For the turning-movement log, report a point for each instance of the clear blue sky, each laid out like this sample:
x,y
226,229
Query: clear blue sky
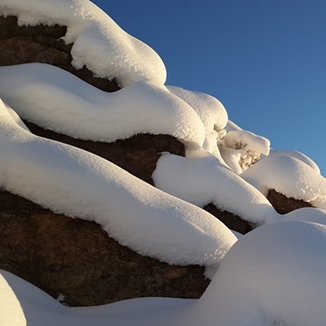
x,y
264,60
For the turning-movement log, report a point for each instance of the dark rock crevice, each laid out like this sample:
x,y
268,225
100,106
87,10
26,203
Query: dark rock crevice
x,y
137,155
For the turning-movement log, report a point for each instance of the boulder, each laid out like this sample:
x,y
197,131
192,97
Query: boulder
x,y
76,261
283,204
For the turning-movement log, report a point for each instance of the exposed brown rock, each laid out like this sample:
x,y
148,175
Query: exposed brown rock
x,y
77,259
137,155
232,221
41,43
283,204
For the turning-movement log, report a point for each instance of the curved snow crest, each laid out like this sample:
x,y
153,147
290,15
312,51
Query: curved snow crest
x,y
79,184
298,155
274,275
211,112
57,100
99,43
210,109
205,180
289,176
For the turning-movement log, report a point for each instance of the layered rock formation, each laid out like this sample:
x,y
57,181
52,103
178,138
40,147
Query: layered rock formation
x,y
72,258
75,259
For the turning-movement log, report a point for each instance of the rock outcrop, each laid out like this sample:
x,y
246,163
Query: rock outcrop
x,y
137,155
70,257
283,204
77,261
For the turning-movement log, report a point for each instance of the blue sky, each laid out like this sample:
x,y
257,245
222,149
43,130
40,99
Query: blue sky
x,y
264,60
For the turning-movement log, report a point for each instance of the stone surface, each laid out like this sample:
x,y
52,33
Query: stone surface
x,y
283,204
77,260
41,43
232,221
137,155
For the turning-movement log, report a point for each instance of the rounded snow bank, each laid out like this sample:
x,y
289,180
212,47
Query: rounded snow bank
x,y
289,176
210,109
11,313
57,100
205,180
99,43
274,275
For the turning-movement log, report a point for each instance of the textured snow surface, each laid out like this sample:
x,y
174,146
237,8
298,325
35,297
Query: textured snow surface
x,y
240,149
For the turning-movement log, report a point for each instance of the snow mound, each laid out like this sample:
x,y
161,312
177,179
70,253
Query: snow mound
x,y
11,313
289,176
99,43
210,110
300,156
274,275
240,149
205,180
79,184
57,100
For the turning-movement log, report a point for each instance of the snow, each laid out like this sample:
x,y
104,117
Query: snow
x,y
11,312
240,149
98,42
273,275
57,100
289,176
205,180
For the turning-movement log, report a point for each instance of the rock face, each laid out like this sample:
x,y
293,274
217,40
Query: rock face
x,y
283,204
137,155
77,260
26,44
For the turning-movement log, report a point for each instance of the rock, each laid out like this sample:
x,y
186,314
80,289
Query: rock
x,y
76,260
232,221
283,204
137,155
41,43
